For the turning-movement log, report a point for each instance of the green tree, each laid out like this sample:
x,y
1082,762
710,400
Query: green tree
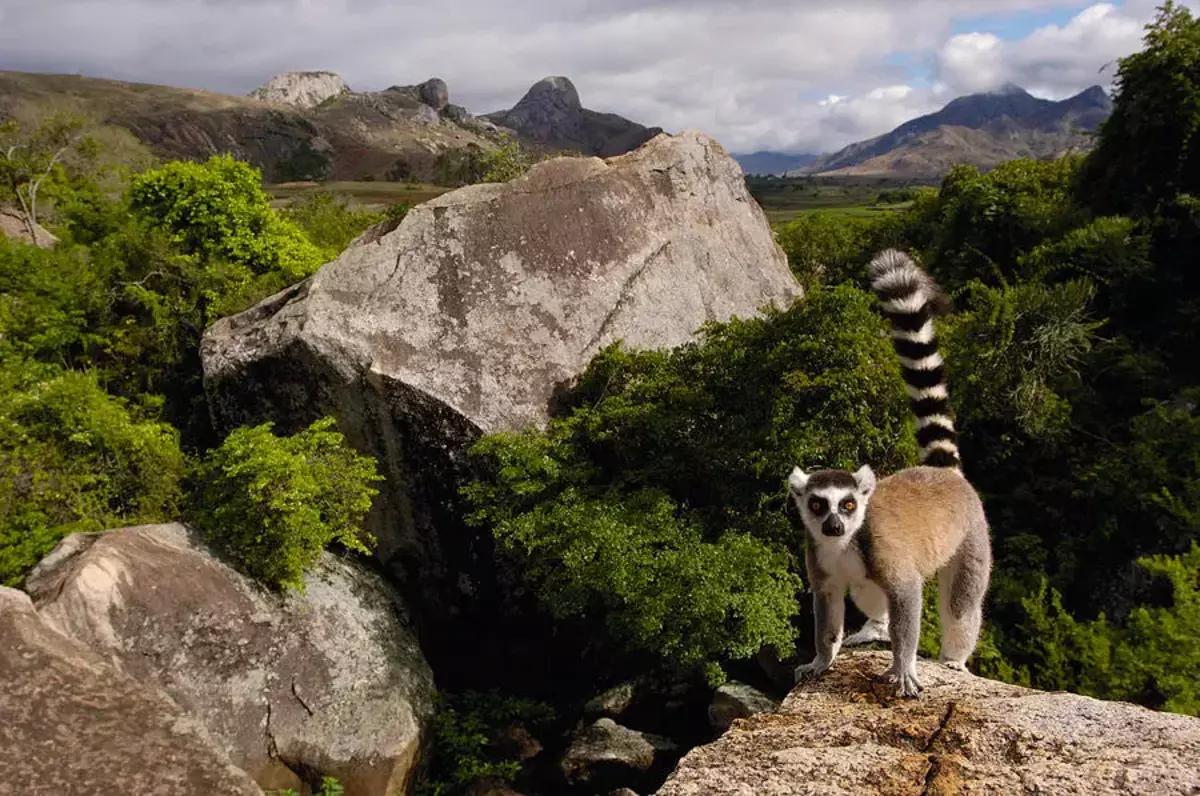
x,y
218,211
31,158
274,503
1147,151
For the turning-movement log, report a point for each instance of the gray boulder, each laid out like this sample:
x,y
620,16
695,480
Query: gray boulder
x,y
329,683
73,725
846,734
735,700
606,755
478,308
434,93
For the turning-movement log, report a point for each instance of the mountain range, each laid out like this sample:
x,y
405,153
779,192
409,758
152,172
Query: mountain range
x,y
312,126
981,129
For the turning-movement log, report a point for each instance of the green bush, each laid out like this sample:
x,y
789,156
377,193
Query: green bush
x,y
73,458
274,503
219,211
329,221
828,248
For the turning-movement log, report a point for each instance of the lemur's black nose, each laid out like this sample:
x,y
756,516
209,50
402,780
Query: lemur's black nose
x,y
833,526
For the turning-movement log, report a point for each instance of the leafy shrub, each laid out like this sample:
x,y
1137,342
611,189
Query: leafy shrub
x,y
464,748
274,503
329,222
829,248
983,224
1151,657
73,458
218,210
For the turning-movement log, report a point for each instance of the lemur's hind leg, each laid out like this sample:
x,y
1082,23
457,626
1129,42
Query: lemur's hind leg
x,y
962,584
872,601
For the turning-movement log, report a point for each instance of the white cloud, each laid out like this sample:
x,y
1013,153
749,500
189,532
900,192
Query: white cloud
x,y
1053,61
756,74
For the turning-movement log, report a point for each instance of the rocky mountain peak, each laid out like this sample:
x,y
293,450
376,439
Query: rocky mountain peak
x,y
552,115
555,91
302,89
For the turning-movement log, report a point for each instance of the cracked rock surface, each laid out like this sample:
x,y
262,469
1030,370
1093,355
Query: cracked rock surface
x,y
470,314
331,682
846,734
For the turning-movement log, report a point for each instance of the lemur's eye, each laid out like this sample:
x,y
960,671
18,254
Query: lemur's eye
x,y
848,505
816,506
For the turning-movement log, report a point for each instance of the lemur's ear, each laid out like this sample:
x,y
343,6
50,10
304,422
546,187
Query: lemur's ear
x,y
797,481
865,477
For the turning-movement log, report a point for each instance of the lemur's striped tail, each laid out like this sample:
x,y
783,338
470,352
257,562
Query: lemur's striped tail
x,y
910,299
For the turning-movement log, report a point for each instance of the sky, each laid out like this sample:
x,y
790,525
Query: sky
x,y
783,75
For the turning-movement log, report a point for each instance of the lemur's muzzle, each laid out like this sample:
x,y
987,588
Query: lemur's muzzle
x,y
833,526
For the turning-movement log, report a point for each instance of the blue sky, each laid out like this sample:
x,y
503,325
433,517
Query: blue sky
x,y
788,75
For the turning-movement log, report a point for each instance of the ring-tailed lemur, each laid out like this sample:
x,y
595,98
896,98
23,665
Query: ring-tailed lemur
x,y
883,539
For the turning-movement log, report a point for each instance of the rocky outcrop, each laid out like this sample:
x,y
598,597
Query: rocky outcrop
x,y
846,734
328,683
73,725
551,116
435,93
473,313
13,227
302,89
606,755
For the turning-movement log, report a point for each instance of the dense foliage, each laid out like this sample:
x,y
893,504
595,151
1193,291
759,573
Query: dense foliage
x,y
274,503
99,340
73,458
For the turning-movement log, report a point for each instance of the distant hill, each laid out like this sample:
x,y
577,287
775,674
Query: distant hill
x,y
311,125
981,129
778,163
551,117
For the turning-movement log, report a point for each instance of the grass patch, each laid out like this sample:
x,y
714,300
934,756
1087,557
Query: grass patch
x,y
373,196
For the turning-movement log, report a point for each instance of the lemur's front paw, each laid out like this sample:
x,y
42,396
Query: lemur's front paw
x,y
811,671
957,666
907,684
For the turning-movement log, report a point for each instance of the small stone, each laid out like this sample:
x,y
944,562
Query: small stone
x,y
735,700
612,702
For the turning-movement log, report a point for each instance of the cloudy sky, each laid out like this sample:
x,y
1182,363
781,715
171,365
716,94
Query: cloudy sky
x,y
790,75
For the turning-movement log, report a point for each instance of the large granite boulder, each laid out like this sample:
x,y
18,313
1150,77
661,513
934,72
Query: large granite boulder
x,y
846,734
73,725
302,89
328,683
478,307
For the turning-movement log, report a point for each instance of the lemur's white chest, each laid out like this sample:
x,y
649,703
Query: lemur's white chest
x,y
842,563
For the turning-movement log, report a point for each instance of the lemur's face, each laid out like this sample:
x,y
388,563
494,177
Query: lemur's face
x,y
832,503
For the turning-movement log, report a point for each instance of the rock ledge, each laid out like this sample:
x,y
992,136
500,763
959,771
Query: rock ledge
x,y
847,734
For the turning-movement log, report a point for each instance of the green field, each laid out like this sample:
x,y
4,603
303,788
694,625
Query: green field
x,y
366,195
784,199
